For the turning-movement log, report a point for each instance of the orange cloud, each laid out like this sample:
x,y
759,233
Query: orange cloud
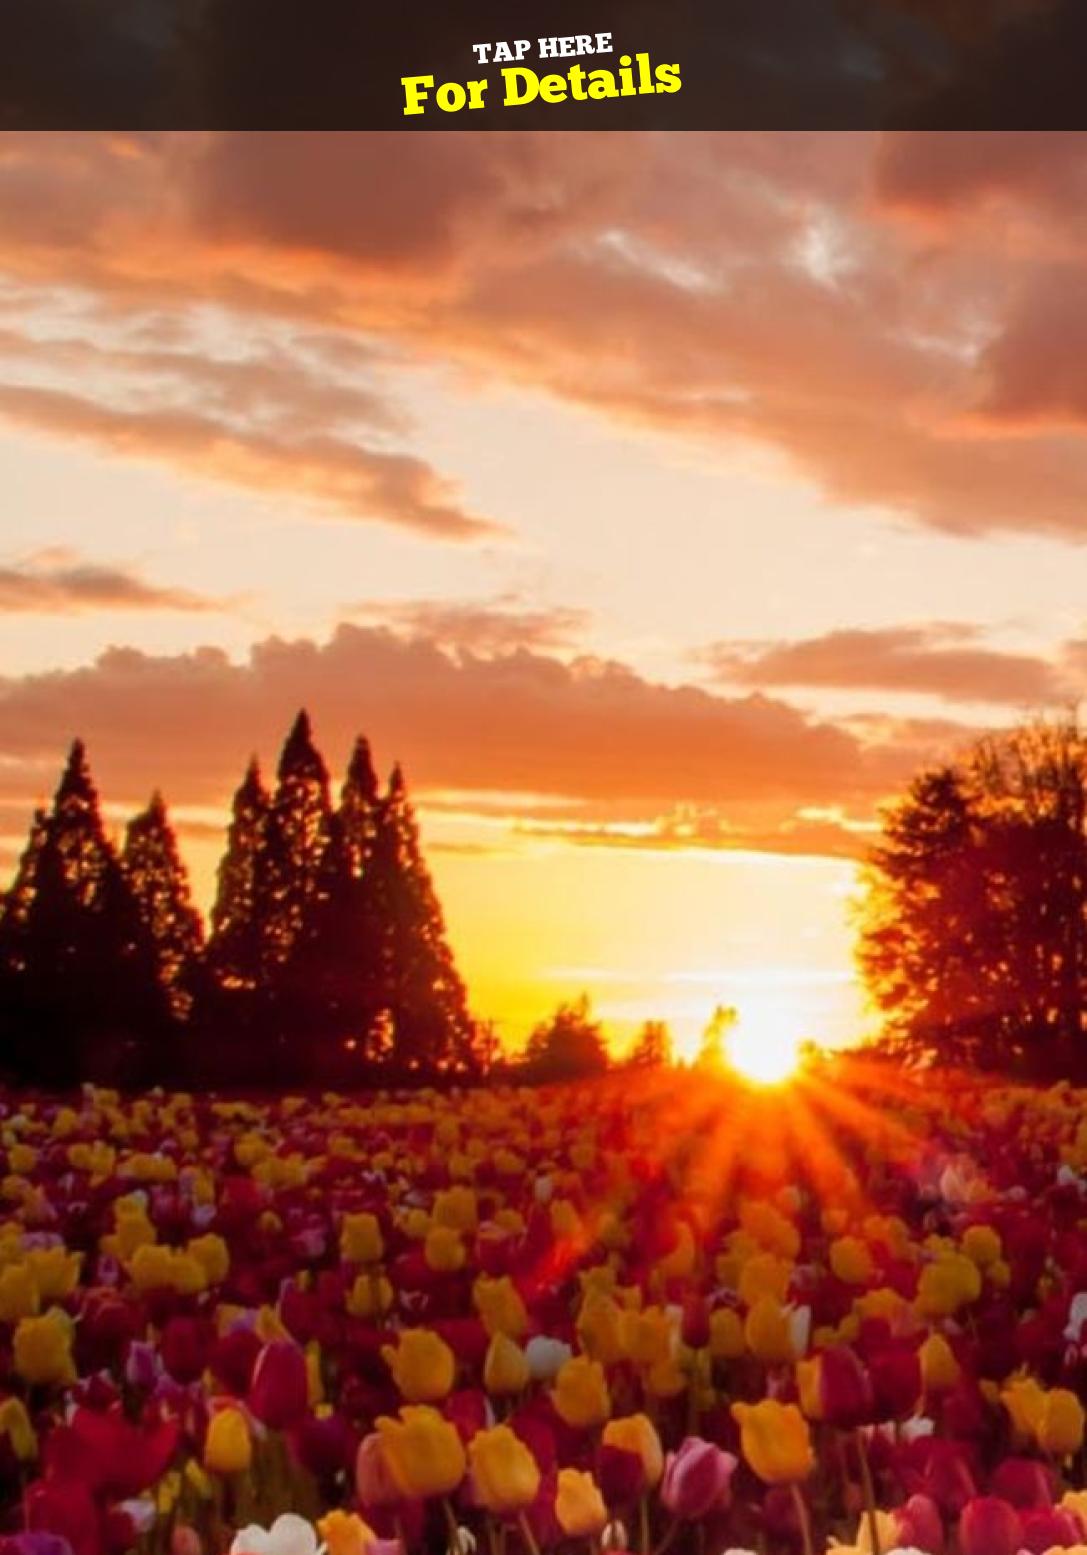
x,y
516,722
943,659
762,289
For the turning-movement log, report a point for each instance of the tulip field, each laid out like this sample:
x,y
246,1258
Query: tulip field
x,y
646,1314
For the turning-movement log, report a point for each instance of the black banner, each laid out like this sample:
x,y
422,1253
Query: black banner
x,y
683,64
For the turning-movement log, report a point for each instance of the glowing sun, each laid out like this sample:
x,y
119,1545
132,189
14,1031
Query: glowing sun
x,y
765,1051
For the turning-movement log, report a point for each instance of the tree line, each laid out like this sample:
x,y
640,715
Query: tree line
x,y
325,961
973,933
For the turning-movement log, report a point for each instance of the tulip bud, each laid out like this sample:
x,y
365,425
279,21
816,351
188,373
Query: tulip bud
x,y
989,1526
697,1479
579,1506
505,1475
228,1447
279,1391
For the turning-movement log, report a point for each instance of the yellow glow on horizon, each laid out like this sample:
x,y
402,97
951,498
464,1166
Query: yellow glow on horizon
x,y
765,1050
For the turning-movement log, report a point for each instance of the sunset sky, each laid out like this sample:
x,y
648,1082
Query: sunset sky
x,y
660,502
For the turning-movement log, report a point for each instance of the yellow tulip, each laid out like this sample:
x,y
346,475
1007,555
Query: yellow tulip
x,y
423,1452
505,1475
55,1270
505,1369
500,1306
646,1337
775,1440
1060,1429
228,1447
15,1425
768,1333
982,1245
1024,1399
579,1506
726,1334
18,1293
764,1275
850,1260
950,1282
580,1395
939,1368
637,1434
360,1239
422,1364
599,1328
370,1296
345,1533
43,1349
443,1249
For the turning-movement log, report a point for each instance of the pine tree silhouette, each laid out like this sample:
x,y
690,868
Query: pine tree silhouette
x,y
419,991
87,1003
358,807
235,948
296,839
160,883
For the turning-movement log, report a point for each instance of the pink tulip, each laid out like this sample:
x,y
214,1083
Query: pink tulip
x,y
696,1479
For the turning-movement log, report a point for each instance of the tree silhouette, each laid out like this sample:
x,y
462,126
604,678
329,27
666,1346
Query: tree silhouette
x,y
652,1047
711,1052
973,939
568,1046
421,1001
358,809
79,964
327,961
296,837
160,883
235,948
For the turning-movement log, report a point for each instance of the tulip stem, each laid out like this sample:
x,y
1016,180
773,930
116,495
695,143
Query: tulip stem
x,y
453,1526
869,1495
802,1518
527,1534
643,1523
670,1533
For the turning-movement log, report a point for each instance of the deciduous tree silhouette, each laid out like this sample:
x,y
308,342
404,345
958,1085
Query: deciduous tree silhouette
x,y
568,1046
973,939
652,1047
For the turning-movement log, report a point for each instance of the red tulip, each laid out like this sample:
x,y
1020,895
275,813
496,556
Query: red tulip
x,y
279,1391
845,1389
1024,1482
895,1373
989,1526
65,1508
920,1525
1044,1529
116,1458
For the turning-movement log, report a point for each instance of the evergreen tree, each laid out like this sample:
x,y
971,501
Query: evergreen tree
x,y
296,840
417,986
160,884
87,1003
235,948
359,807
